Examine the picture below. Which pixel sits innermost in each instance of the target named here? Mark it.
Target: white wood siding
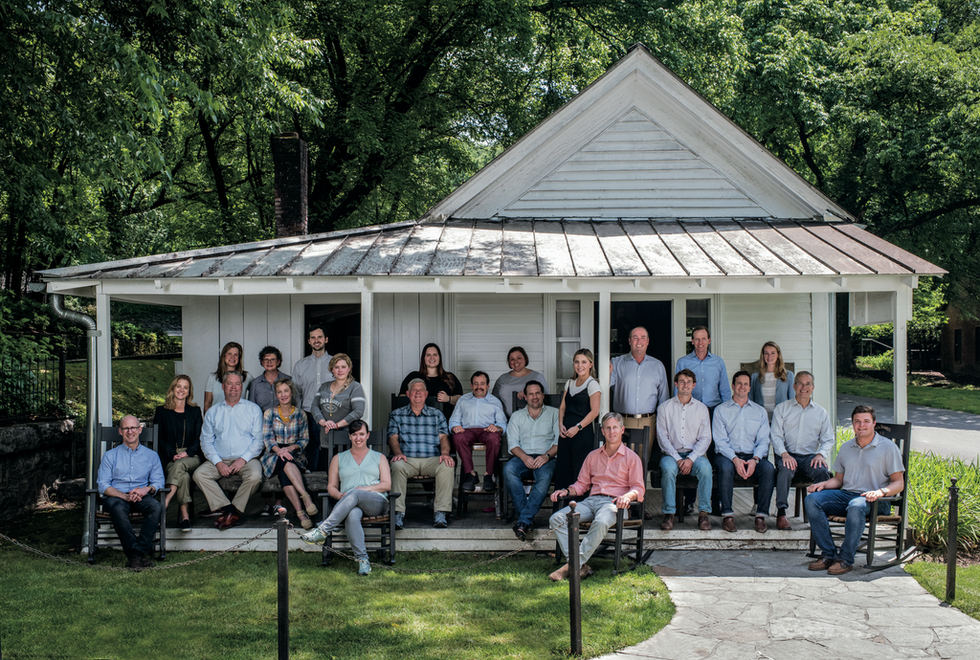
(634, 168)
(487, 326)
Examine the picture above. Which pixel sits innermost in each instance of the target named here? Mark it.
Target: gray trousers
(354, 505)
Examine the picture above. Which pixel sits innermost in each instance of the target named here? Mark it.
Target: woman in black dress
(579, 408)
(179, 423)
(440, 383)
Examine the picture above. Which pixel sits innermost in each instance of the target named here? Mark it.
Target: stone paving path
(765, 605)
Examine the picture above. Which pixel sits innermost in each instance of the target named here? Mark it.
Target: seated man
(533, 440)
(615, 476)
(231, 440)
(129, 476)
(478, 418)
(802, 437)
(867, 468)
(420, 446)
(740, 432)
(684, 433)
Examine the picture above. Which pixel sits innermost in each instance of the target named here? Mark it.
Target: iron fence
(31, 389)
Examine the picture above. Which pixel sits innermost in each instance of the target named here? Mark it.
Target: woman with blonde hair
(773, 382)
(230, 360)
(579, 408)
(179, 422)
(340, 402)
(285, 434)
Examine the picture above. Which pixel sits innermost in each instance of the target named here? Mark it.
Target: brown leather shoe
(727, 523)
(703, 523)
(585, 572)
(839, 568)
(560, 574)
(228, 520)
(760, 525)
(821, 564)
(668, 522)
(782, 522)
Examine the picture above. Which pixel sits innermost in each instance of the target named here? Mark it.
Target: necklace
(285, 420)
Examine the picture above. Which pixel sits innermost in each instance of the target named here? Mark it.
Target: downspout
(91, 331)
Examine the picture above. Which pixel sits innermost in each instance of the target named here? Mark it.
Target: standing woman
(179, 421)
(285, 434)
(340, 402)
(440, 383)
(773, 383)
(230, 360)
(515, 380)
(579, 408)
(359, 480)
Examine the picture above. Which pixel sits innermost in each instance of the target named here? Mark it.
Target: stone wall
(32, 457)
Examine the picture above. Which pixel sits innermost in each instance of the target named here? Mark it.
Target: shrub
(928, 484)
(882, 362)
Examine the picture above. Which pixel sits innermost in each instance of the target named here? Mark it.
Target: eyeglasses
(131, 429)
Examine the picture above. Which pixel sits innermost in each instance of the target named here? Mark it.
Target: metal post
(283, 552)
(954, 503)
(574, 580)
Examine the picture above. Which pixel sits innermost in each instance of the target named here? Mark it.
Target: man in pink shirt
(615, 476)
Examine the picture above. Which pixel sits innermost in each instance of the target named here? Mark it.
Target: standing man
(231, 440)
(867, 468)
(129, 475)
(684, 433)
(310, 373)
(533, 441)
(740, 430)
(478, 418)
(419, 442)
(641, 388)
(802, 438)
(615, 476)
(712, 384)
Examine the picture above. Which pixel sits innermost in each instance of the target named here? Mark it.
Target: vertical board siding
(488, 326)
(751, 320)
(199, 324)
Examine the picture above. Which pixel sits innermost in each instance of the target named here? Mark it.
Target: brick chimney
(289, 161)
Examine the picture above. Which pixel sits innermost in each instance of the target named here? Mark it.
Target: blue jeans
(726, 483)
(601, 510)
(119, 510)
(668, 479)
(354, 505)
(527, 505)
(837, 503)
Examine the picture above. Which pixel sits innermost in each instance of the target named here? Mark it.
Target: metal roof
(628, 247)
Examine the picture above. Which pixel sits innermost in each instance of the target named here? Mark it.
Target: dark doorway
(655, 316)
(343, 328)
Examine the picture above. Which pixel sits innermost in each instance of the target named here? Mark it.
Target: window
(957, 345)
(569, 327)
(698, 313)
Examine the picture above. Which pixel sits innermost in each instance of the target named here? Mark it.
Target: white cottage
(636, 202)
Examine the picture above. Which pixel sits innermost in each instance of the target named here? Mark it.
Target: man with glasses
(802, 438)
(129, 476)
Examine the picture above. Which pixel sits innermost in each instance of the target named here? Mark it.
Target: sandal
(308, 503)
(304, 520)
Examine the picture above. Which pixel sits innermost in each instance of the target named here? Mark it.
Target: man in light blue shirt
(802, 439)
(533, 441)
(478, 419)
(712, 387)
(740, 430)
(231, 440)
(129, 476)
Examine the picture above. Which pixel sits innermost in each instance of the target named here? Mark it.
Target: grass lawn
(226, 607)
(932, 576)
(964, 398)
(138, 387)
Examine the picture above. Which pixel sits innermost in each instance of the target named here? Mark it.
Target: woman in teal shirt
(359, 479)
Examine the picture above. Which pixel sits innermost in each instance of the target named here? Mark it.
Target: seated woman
(340, 402)
(285, 434)
(773, 382)
(359, 480)
(515, 379)
(179, 422)
(441, 384)
(230, 360)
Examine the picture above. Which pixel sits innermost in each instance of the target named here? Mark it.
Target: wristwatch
(579, 425)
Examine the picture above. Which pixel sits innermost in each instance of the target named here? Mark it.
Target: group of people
(274, 430)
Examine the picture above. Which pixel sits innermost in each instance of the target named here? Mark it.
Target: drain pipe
(92, 411)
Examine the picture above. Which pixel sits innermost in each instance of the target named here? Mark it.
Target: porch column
(902, 313)
(367, 351)
(602, 348)
(103, 360)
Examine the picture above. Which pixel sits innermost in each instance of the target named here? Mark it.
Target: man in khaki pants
(231, 440)
(641, 387)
